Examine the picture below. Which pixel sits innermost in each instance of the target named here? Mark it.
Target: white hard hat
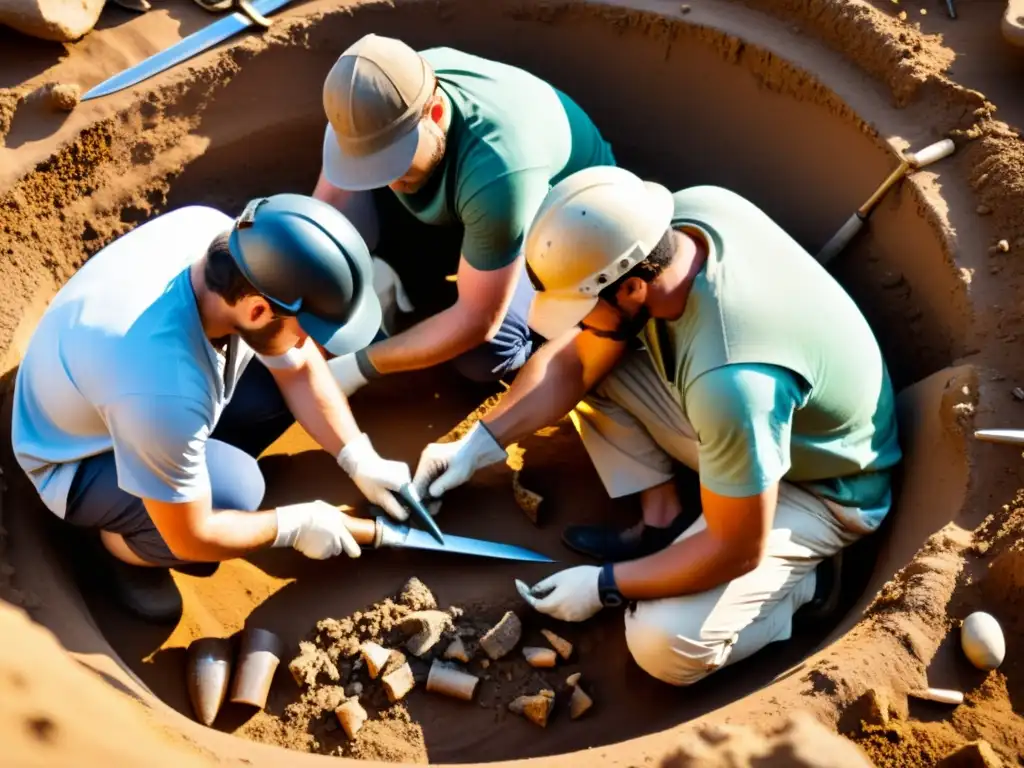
(591, 228)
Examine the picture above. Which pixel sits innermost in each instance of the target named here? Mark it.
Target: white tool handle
(931, 153)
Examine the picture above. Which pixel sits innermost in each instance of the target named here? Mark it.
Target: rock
(527, 500)
(983, 210)
(502, 637)
(61, 96)
(573, 679)
(564, 647)
(977, 754)
(1003, 246)
(457, 650)
(428, 626)
(873, 707)
(534, 708)
(579, 703)
(539, 657)
(57, 20)
(351, 715)
(982, 641)
(417, 596)
(398, 683)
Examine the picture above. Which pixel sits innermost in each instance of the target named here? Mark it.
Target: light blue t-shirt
(119, 361)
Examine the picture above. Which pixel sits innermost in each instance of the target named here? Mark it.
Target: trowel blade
(413, 538)
(186, 48)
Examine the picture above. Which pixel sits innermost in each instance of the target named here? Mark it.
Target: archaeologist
(461, 141)
(691, 328)
(139, 411)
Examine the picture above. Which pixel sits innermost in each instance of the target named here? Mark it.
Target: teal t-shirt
(512, 136)
(777, 369)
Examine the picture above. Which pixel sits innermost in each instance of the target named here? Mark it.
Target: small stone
(534, 708)
(1003, 246)
(457, 650)
(573, 679)
(351, 715)
(1018, 393)
(976, 754)
(924, 12)
(375, 656)
(428, 626)
(902, 15)
(564, 647)
(540, 657)
(684, 9)
(485, 663)
(983, 210)
(417, 596)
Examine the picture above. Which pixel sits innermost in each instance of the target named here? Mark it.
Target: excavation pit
(705, 97)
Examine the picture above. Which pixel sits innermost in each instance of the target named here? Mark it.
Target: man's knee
(235, 478)
(667, 655)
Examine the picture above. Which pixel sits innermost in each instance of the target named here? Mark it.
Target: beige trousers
(633, 428)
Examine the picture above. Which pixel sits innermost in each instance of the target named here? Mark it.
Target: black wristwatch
(607, 589)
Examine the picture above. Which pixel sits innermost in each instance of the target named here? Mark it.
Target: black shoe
(828, 588)
(148, 592)
(611, 546)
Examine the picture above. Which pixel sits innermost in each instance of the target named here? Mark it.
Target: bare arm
(315, 400)
(732, 544)
(195, 531)
(484, 297)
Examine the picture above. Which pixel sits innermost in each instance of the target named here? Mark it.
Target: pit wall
(789, 140)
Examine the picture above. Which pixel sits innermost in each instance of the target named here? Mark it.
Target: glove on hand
(569, 595)
(316, 529)
(374, 476)
(346, 372)
(444, 466)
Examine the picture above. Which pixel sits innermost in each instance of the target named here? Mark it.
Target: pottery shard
(539, 657)
(534, 708)
(563, 646)
(351, 715)
(579, 703)
(502, 637)
(428, 626)
(416, 595)
(57, 20)
(977, 754)
(375, 656)
(398, 683)
(457, 650)
(310, 663)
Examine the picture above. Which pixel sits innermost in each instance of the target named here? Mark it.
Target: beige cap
(374, 97)
(591, 228)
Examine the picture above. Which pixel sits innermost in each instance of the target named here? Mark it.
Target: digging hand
(569, 595)
(444, 466)
(374, 476)
(316, 529)
(346, 372)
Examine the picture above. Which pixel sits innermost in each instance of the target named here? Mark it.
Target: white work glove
(316, 529)
(569, 595)
(444, 466)
(390, 293)
(374, 476)
(346, 372)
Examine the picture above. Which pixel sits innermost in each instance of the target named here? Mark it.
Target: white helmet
(591, 228)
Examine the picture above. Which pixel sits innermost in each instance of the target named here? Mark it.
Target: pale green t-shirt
(779, 372)
(511, 138)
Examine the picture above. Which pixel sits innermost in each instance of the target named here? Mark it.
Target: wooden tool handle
(363, 531)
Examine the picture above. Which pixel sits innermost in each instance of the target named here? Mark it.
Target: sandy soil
(809, 99)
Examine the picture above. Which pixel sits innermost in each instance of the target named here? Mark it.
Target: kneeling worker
(460, 141)
(694, 329)
(139, 410)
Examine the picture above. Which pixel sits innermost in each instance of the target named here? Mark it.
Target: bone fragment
(351, 715)
(563, 646)
(375, 656)
(452, 682)
(539, 657)
(398, 683)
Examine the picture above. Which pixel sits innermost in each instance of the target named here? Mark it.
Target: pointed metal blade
(413, 538)
(196, 43)
(1009, 436)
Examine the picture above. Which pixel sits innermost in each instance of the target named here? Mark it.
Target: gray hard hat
(307, 260)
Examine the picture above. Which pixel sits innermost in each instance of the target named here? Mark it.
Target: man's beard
(435, 160)
(262, 340)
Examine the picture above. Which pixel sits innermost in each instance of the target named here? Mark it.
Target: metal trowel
(379, 532)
